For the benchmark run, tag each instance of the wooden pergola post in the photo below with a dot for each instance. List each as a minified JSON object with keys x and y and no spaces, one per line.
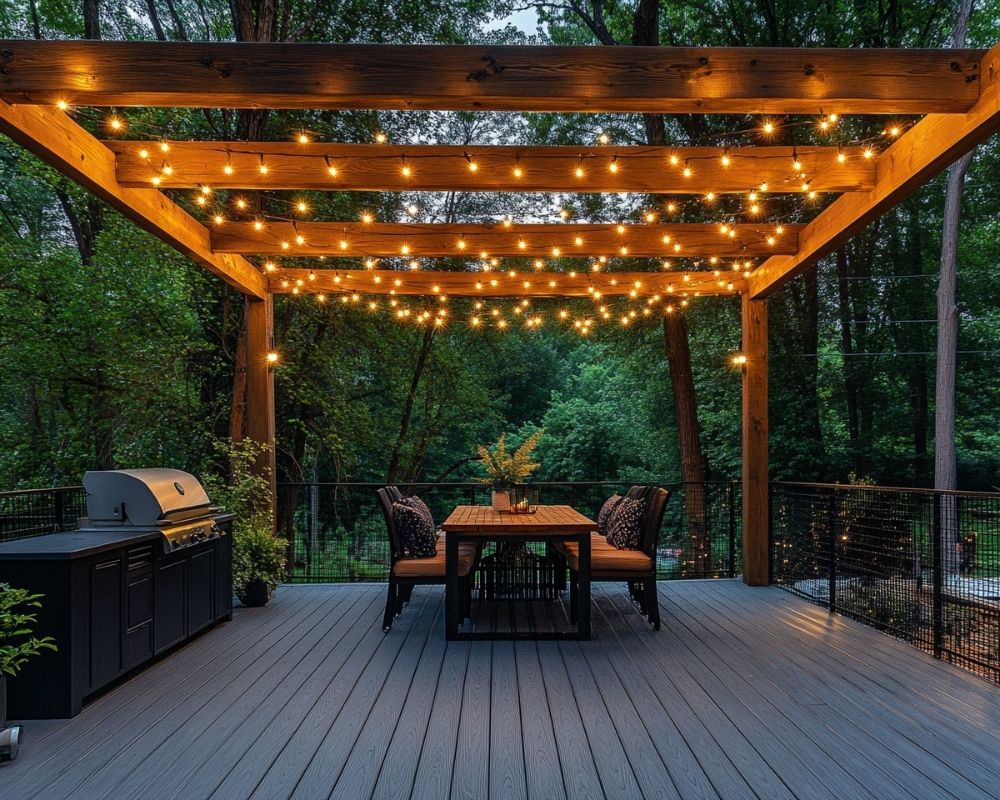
{"x":756,"y":511}
{"x":260,"y":382}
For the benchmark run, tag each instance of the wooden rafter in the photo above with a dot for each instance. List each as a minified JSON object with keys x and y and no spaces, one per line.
{"x":387,"y":239}
{"x":383,"y":167}
{"x":502,"y":284}
{"x":57,"y":140}
{"x":671,"y":80}
{"x":919,"y":154}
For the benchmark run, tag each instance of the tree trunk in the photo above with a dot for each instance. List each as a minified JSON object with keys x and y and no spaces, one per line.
{"x":91,"y":20}
{"x":693,"y":468}
{"x":945,"y":459}
{"x":392,"y":470}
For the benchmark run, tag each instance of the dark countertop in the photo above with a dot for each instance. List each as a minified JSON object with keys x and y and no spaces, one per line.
{"x":72,"y":544}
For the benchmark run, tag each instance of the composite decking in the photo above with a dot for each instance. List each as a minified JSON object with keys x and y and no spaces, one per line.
{"x":744,"y":693}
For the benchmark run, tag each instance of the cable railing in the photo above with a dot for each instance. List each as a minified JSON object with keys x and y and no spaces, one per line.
{"x":337,"y":532}
{"x":919,"y":564}
{"x":34,"y":512}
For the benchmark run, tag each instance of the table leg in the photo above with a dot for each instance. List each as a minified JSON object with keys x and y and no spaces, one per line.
{"x":451,"y":621}
{"x":583,"y":593}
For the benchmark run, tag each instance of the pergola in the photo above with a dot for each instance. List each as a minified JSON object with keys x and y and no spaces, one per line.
{"x":955,"y":92}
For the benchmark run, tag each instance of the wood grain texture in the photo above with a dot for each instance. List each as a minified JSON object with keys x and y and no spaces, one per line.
{"x":61,"y":143}
{"x":416,"y":240}
{"x":743,"y":693}
{"x":756,"y":491}
{"x":669,"y":80}
{"x":485,"y":520}
{"x":378,"y":167}
{"x":260,"y":407}
{"x":478,"y":284}
{"x":928,"y":147}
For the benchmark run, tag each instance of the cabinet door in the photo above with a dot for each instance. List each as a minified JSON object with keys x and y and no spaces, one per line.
{"x":201,"y":590}
{"x":106,"y":622}
{"x":170,"y":614}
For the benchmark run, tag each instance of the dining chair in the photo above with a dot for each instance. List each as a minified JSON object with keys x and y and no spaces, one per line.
{"x":406,"y":572}
{"x":636,"y":567}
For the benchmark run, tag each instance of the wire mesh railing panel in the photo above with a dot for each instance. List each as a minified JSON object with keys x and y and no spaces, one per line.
{"x":34,"y":512}
{"x":921,"y":565}
{"x":337,"y":531}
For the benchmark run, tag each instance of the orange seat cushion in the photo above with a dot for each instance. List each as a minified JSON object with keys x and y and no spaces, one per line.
{"x":433,"y":567}
{"x":607,"y":559}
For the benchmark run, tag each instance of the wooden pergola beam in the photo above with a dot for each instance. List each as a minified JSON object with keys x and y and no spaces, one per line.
{"x":927,"y":148}
{"x":501,"y":284}
{"x":58,"y":141}
{"x":381,"y":167}
{"x":668,"y":80}
{"x":431,"y":240}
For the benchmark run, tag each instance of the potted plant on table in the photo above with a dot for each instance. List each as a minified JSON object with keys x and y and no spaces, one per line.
{"x":504,"y":470}
{"x":17,"y":643}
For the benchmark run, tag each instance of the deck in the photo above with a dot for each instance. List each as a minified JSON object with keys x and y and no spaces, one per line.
{"x":744,"y":693}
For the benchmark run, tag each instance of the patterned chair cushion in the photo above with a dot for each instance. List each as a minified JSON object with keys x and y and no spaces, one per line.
{"x":604,"y":515}
{"x":625,"y":524}
{"x":415,"y":529}
{"x":421,"y":506}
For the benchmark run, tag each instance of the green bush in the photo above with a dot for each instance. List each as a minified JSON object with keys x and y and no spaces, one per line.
{"x":17,"y":644}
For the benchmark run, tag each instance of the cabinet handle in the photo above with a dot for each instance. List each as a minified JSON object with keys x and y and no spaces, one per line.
{"x":107,"y":565}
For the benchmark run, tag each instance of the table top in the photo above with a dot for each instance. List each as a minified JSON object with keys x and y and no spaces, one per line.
{"x":546,"y":519}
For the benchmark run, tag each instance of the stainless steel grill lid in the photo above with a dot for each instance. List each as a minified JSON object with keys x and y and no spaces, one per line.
{"x":144,"y":497}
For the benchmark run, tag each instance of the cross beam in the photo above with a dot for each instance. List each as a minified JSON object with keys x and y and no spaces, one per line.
{"x":387,"y":239}
{"x":502,"y":284}
{"x":58,"y":141}
{"x":919,"y":154}
{"x":667,"y":80}
{"x":383,"y":167}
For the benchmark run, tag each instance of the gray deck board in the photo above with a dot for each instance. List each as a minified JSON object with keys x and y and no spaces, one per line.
{"x":744,"y":693}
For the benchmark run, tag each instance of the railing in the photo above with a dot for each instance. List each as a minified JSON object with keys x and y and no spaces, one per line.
{"x":33,"y":512}
{"x":922,"y":565}
{"x":337,"y":531}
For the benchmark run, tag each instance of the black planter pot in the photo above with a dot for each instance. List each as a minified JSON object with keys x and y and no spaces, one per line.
{"x":256,"y":593}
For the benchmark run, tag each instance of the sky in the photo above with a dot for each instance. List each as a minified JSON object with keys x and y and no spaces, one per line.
{"x":526,"y":21}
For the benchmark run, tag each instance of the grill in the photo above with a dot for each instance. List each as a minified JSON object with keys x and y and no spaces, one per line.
{"x":169,"y":501}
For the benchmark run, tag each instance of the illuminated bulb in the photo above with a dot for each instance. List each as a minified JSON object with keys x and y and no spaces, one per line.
{"x":763,"y":186}
{"x":200,"y":200}
{"x":812,"y":195}
{"x":332,"y":171}
{"x":502,"y":323}
{"x":474,"y":322}
{"x":603,"y":138}
{"x":473,"y":166}
{"x":367,"y":218}
{"x":620,"y":229}
{"x":507,"y":222}
{"x":563,"y":213}
{"x":671,"y":207}
{"x":868,"y":152}
{"x":650,"y":216}
{"x":272,"y":357}
{"x":405,"y":249}
{"x":144,"y":153}
{"x":556,"y":251}
{"x":539,"y":263}
{"x":771,"y":240}
{"x":796,"y":166}
{"x":370,"y":264}
{"x":155,"y":180}
{"x":343,"y":244}
{"x":228,"y":169}
{"x":623,"y":250}
{"x":303,"y":138}
{"x":894,"y":131}
{"x":258,"y":225}
{"x":674,"y":159}
{"x":768,"y":128}
{"x":739,"y":360}
{"x":518,"y":172}
{"x":300,"y":239}
{"x":755,"y":209}
{"x":841,"y":158}
{"x":263,"y":169}
{"x":312,"y":275}
{"x":407,"y":172}
{"x":164,"y":147}
{"x":521,"y":244}
{"x":62,"y":105}
{"x":710,"y":197}
{"x":168,"y":170}
{"x":779,"y":230}
{"x":218,"y":219}
{"x":726,"y":160}
{"x":116,"y":124}
{"x":380,"y":137}
{"x":270,"y":266}
{"x":461,"y":244}
{"x":579,"y":172}
{"x":613,"y":166}
{"x":578,"y":241}
{"x":414,"y":264}
{"x":687,"y":172}
{"x":411,"y":210}
{"x":241,"y":203}
{"x":666,"y":238}
{"x":301,"y":207}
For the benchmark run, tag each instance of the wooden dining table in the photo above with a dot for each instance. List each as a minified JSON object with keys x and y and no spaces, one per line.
{"x":550,"y":524}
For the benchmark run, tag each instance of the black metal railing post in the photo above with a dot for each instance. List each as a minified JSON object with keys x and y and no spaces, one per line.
{"x":937,"y":571}
{"x":832,"y":552}
{"x":60,"y":510}
{"x":731,"y":489}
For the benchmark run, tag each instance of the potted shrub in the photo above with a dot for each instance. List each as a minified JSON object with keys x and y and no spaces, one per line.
{"x":258,"y":555}
{"x":258,"y":560}
{"x":17,"y":644}
{"x":505,"y":469}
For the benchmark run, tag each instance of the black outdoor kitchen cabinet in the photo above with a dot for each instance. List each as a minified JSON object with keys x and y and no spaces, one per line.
{"x":112,"y":602}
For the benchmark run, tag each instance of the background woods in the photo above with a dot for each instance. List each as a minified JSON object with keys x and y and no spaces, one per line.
{"x":117,"y":352}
